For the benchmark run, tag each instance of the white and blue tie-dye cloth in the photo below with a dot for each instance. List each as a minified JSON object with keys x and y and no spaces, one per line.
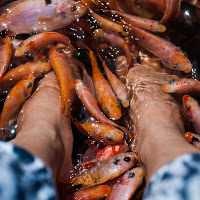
{"x":24,"y":177}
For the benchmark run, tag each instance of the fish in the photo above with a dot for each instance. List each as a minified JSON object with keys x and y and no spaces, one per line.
{"x":109,"y":25}
{"x":90,"y":102}
{"x":141,"y":22}
{"x":87,"y":79}
{"x":170,"y":55}
{"x":125,"y":188}
{"x":27,"y":16}
{"x":182,"y":86}
{"x":93,"y":193}
{"x":118,"y":87}
{"x":104,"y":170}
{"x":5,"y":55}
{"x":14,"y":75}
{"x":62,"y":66}
{"x":104,"y":93}
{"x":102,"y":132}
{"x":193,"y":138}
{"x":15,"y":99}
{"x":114,"y":40}
{"x":40,"y":40}
{"x":111,"y":150}
{"x":192,"y":111}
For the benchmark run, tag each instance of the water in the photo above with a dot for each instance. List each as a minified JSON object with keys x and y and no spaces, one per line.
{"x":144,"y":84}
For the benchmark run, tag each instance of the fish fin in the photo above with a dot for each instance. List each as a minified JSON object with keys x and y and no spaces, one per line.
{"x":88,"y":165}
{"x":62,"y":106}
{"x":78,"y":126}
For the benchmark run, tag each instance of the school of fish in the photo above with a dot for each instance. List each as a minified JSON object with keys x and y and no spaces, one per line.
{"x":44,"y":35}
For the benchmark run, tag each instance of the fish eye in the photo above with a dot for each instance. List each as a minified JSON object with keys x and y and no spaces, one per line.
{"x":175,"y":66}
{"x":77,"y":186}
{"x":73,"y":8}
{"x":2,"y":43}
{"x":28,"y":55}
{"x":42,"y":73}
{"x":172,"y":81}
{"x":131,"y":175}
{"x":187,"y":107}
{"x":20,"y":44}
{"x":48,"y":2}
{"x":127,"y":159}
{"x":29,"y":85}
{"x":125,"y":29}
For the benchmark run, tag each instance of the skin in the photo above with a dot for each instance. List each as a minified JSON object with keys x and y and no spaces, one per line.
{"x":157,"y":120}
{"x":47,"y":135}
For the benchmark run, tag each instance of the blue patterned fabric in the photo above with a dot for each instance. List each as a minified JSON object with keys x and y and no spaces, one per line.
{"x":22,"y":176}
{"x":178,"y":180}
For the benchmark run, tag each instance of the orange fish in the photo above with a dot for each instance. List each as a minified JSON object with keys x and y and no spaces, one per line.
{"x":104,"y":94}
{"x":127,"y":185}
{"x":89,"y":101}
{"x":182,"y":86}
{"x":141,"y":22}
{"x":112,"y":150}
{"x":14,"y":75}
{"x":5,"y":55}
{"x":97,"y":192}
{"x":118,"y":87}
{"x":102,"y":132}
{"x":15,"y":99}
{"x":109,"y":25}
{"x":192,"y":111}
{"x":113,"y":40}
{"x":64,"y":72}
{"x":105,"y":169}
{"x":170,"y":55}
{"x":27,"y":16}
{"x":193,"y":139}
{"x":87,"y":79}
{"x":40,"y":40}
